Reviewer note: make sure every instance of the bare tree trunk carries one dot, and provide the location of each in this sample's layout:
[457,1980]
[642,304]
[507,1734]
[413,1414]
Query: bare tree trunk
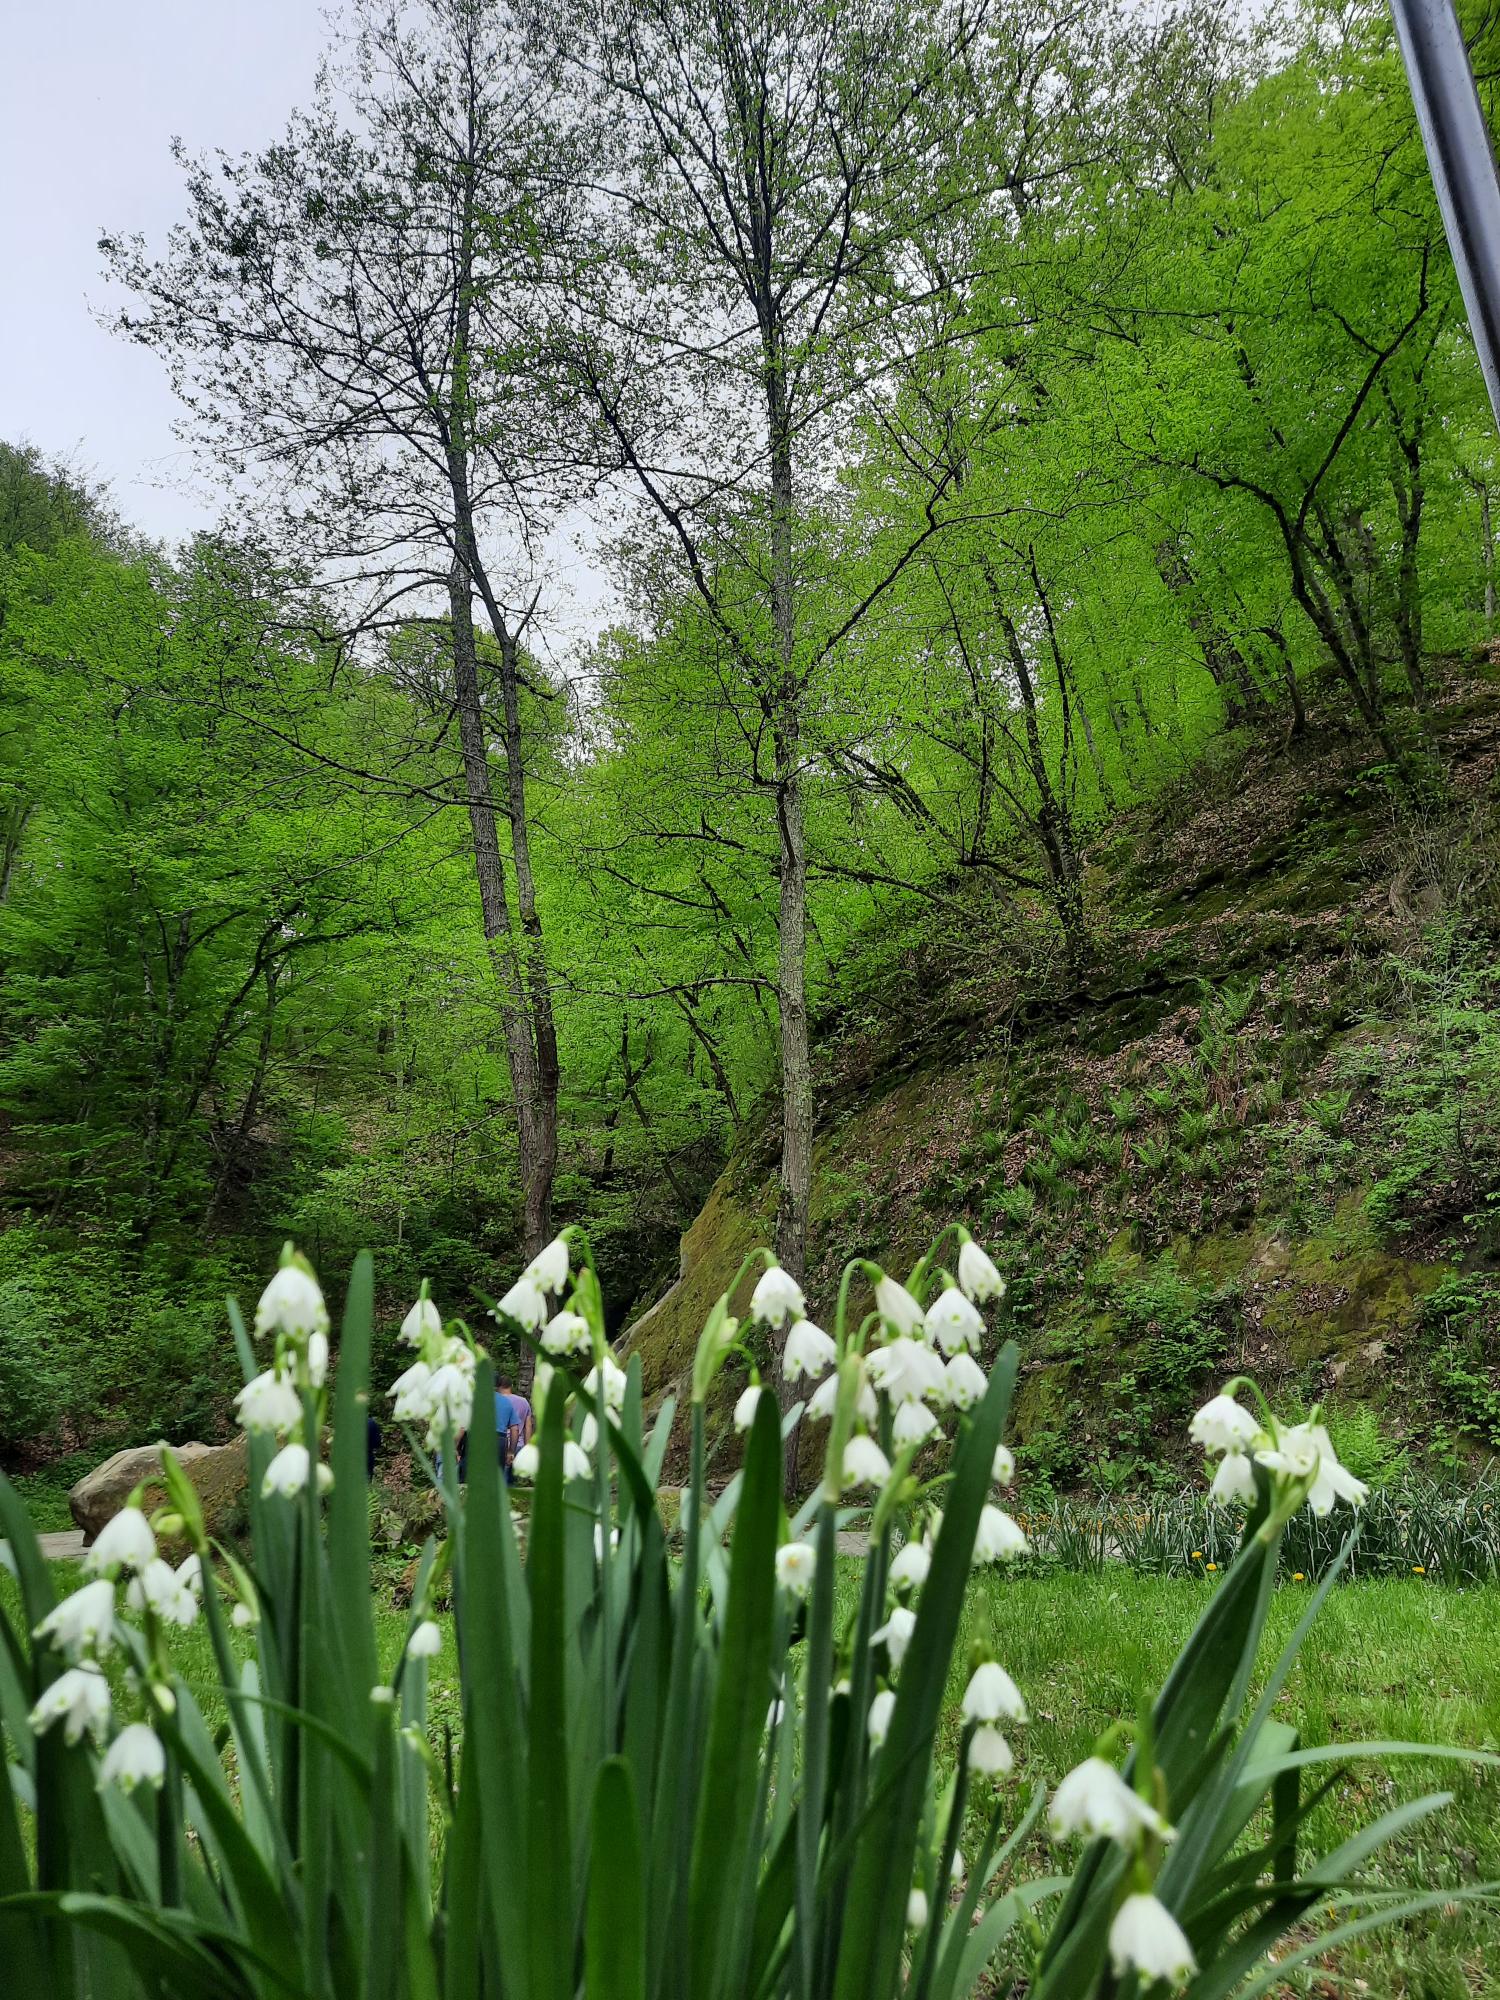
[543,1165]
[494,900]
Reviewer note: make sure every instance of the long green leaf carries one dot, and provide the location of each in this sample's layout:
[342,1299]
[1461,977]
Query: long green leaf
[615,1948]
[870,1945]
[549,1915]
[723,1829]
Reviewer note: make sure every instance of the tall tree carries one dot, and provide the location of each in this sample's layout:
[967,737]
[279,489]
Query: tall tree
[325,314]
[767,177]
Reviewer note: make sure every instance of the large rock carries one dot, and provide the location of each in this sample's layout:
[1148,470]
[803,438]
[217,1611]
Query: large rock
[218,1472]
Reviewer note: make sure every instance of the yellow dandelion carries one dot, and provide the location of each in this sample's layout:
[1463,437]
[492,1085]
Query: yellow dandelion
[1418,1570]
[1299,1576]
[1197,1555]
[1212,1567]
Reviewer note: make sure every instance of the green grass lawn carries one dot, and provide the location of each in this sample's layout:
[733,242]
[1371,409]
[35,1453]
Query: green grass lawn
[1397,1659]
[1394,1660]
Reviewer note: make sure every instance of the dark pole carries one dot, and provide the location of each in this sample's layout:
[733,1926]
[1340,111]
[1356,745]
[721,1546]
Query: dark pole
[1462,159]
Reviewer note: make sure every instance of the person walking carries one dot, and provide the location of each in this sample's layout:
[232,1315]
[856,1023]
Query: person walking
[505,1424]
[520,1423]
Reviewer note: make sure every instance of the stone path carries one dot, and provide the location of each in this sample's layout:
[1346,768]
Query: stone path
[65,1547]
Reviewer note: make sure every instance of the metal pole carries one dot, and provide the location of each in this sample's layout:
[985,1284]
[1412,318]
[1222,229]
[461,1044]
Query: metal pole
[1462,158]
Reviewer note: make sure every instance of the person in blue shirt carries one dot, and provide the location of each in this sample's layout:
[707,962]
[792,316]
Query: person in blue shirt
[505,1423]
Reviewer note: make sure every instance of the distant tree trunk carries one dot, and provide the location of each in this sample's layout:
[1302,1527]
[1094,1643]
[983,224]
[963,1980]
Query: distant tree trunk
[1053,821]
[494,900]
[520,964]
[1486,543]
[12,827]
[1227,666]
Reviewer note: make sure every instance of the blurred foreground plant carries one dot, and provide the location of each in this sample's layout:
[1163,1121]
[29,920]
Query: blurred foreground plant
[686,1771]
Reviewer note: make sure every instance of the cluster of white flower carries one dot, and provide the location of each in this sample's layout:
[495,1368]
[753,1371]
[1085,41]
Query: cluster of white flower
[438,1388]
[273,1403]
[1094,1802]
[84,1629]
[1297,1456]
[923,1363]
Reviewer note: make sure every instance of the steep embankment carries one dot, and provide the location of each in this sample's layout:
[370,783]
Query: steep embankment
[1263,1134]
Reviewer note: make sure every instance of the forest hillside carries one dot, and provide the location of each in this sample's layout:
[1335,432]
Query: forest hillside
[1033,765]
[1262,1134]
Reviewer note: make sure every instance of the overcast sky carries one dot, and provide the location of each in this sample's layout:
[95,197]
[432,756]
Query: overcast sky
[92,93]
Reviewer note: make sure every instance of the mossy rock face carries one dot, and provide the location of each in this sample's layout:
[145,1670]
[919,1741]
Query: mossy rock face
[1346,1310]
[715,1244]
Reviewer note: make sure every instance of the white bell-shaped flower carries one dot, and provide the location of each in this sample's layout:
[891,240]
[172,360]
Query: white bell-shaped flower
[1094,1800]
[612,1377]
[292,1304]
[808,1351]
[450,1401]
[916,1910]
[913,1423]
[1146,1938]
[269,1403]
[1003,1466]
[79,1700]
[1234,1480]
[998,1538]
[898,1308]
[426,1640]
[190,1573]
[567,1333]
[83,1622]
[525,1303]
[548,1270]
[317,1359]
[989,1753]
[953,1323]
[795,1564]
[424,1321]
[907,1370]
[895,1633]
[992,1696]
[977,1274]
[134,1758]
[527,1463]
[1223,1425]
[1304,1449]
[745,1408]
[878,1723]
[124,1542]
[821,1403]
[576,1464]
[156,1586]
[865,1464]
[412,1392]
[287,1473]
[777,1297]
[966,1381]
[910,1566]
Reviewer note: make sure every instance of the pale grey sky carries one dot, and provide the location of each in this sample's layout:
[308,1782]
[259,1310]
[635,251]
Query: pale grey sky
[92,93]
